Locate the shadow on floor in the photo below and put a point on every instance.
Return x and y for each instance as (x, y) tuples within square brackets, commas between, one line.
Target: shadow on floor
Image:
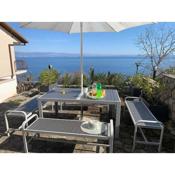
[(38, 146), (3, 108), (15, 144)]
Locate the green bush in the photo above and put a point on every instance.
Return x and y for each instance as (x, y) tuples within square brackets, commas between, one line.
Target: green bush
[(170, 70), (75, 78), (110, 78), (137, 80), (91, 75), (119, 81), (66, 79), (101, 78), (86, 81), (149, 87), (48, 77)]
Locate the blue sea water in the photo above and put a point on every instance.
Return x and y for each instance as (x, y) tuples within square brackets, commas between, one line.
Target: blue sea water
[(119, 64)]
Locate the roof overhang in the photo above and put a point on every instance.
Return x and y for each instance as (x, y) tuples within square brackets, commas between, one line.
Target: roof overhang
[(13, 33)]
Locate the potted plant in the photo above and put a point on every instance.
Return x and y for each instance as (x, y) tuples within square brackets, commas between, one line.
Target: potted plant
[(48, 77)]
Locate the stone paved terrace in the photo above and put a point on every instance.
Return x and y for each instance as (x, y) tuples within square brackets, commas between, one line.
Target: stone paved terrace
[(122, 145)]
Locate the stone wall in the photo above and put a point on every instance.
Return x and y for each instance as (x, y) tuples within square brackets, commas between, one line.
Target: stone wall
[(168, 95)]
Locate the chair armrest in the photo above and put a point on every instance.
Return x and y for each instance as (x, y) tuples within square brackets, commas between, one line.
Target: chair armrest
[(26, 122), (17, 113)]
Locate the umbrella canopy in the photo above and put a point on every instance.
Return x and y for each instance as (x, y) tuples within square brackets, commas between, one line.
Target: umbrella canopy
[(81, 27), (75, 27)]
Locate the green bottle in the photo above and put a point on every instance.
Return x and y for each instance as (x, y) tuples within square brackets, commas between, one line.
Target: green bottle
[(99, 90)]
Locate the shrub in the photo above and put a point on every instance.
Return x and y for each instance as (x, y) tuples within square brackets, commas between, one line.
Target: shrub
[(101, 78), (48, 76), (149, 87), (86, 81), (110, 78), (66, 79), (75, 78), (119, 81), (170, 70), (91, 75), (137, 81)]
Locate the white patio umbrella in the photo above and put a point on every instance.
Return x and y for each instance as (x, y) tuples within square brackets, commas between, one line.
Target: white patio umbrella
[(81, 27)]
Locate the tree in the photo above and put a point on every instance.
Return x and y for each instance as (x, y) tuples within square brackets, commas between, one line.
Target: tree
[(157, 45)]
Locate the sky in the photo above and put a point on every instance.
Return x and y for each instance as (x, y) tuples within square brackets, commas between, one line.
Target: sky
[(114, 43)]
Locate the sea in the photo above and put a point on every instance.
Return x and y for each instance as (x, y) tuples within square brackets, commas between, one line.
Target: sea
[(101, 64)]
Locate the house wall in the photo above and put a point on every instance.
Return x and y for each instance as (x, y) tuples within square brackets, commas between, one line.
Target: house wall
[(7, 84), (7, 88), (168, 95), (5, 40)]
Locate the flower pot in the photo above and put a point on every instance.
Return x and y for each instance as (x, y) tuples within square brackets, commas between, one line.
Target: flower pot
[(161, 112)]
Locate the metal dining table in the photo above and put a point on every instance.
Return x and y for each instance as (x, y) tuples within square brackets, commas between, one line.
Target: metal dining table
[(74, 95)]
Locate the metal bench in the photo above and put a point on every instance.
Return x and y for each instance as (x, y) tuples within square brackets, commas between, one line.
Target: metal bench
[(68, 128), (143, 118), (20, 114)]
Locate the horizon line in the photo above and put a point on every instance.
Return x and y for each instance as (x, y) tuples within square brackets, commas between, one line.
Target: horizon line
[(96, 54)]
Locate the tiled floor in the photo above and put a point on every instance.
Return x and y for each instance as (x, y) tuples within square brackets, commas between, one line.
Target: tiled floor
[(121, 145)]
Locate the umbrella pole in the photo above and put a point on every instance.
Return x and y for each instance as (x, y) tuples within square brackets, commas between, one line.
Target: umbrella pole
[(81, 55)]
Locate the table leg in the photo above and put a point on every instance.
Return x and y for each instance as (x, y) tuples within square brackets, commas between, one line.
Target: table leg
[(61, 106), (56, 109), (111, 139), (25, 143), (81, 111), (40, 109), (7, 125), (117, 121), (111, 143), (97, 149)]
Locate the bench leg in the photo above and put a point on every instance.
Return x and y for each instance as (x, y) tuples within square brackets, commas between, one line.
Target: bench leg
[(161, 138), (7, 125), (25, 143), (40, 107), (134, 140)]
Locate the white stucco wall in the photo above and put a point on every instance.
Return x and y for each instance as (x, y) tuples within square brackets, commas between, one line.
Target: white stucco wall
[(7, 85), (7, 89), (5, 40)]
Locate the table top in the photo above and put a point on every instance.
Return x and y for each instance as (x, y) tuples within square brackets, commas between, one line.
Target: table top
[(73, 94), (62, 127)]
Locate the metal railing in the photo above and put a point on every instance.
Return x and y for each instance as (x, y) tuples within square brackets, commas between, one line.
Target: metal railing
[(20, 65)]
